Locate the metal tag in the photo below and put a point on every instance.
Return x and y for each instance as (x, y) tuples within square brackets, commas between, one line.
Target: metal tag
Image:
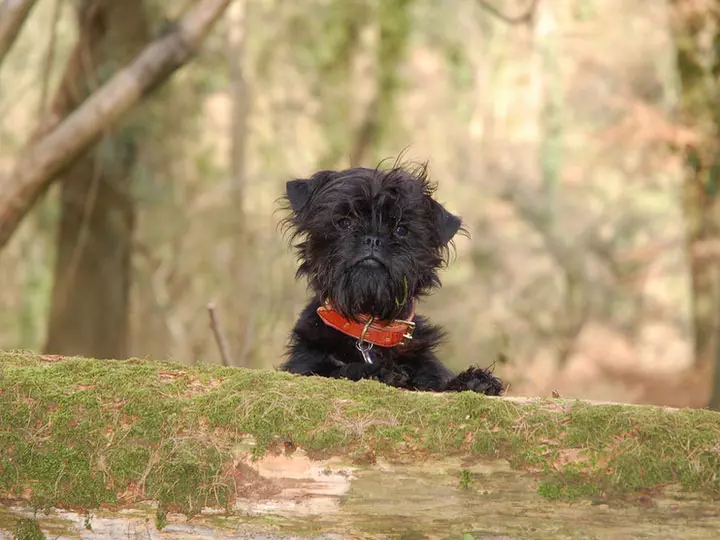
[(364, 348)]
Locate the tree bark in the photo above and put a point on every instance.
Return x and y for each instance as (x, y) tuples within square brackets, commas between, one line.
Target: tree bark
[(44, 158), (12, 18)]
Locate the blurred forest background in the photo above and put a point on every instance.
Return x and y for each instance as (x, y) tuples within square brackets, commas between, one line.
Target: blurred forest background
[(577, 138)]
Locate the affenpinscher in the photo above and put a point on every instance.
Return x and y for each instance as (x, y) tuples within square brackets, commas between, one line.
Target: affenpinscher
[(370, 242)]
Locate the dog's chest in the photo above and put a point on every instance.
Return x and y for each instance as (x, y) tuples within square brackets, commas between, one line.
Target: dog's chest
[(349, 352)]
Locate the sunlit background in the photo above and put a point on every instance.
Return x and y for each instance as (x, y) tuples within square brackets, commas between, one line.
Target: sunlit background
[(559, 130)]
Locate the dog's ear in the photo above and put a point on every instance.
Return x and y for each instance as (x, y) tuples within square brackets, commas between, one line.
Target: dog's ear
[(447, 224), (298, 193)]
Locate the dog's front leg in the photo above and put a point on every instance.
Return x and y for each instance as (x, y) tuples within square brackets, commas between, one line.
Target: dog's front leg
[(307, 361), (391, 375), (310, 361)]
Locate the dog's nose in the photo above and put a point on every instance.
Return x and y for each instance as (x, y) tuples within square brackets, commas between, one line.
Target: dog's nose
[(371, 241)]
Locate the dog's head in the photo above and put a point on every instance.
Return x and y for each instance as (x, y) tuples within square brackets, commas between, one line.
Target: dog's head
[(369, 240)]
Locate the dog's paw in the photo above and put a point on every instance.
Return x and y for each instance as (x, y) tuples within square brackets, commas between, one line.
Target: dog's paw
[(396, 377), (376, 372), (360, 370), (476, 380)]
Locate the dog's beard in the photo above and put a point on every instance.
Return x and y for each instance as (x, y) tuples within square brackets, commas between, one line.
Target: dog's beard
[(382, 289), (369, 291)]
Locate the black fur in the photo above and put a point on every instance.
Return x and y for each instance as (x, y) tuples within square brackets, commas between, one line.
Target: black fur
[(371, 241)]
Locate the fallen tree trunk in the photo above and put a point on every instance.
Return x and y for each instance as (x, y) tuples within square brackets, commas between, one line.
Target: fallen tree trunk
[(107, 444)]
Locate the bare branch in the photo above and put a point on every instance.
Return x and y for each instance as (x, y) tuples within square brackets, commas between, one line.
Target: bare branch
[(219, 335), (13, 14), (41, 162), (525, 18)]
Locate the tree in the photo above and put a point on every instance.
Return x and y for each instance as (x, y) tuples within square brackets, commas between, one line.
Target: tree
[(694, 26), (62, 140), (91, 291), (90, 298), (393, 26)]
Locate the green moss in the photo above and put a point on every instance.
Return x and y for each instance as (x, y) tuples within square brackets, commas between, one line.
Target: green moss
[(161, 520), (465, 479), (84, 433), (28, 529)]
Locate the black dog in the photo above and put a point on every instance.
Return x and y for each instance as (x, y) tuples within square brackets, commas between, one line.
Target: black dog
[(370, 243)]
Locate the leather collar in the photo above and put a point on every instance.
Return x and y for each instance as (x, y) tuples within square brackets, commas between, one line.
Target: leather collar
[(367, 329)]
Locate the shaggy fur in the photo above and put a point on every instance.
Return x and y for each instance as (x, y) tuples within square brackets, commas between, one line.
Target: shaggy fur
[(372, 240)]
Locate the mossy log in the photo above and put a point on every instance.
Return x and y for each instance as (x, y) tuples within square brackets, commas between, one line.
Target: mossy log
[(92, 443)]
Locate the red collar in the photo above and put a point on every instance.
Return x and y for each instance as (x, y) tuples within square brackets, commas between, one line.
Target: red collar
[(380, 333)]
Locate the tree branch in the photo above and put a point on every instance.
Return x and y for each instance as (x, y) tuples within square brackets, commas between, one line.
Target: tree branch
[(525, 18), (222, 343), (13, 14), (42, 161)]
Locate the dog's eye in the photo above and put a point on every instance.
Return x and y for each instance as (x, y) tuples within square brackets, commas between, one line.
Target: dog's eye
[(401, 230), (344, 223)]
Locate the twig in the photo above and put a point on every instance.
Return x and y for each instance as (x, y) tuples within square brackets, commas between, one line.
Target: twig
[(219, 337), (525, 18), (245, 351)]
